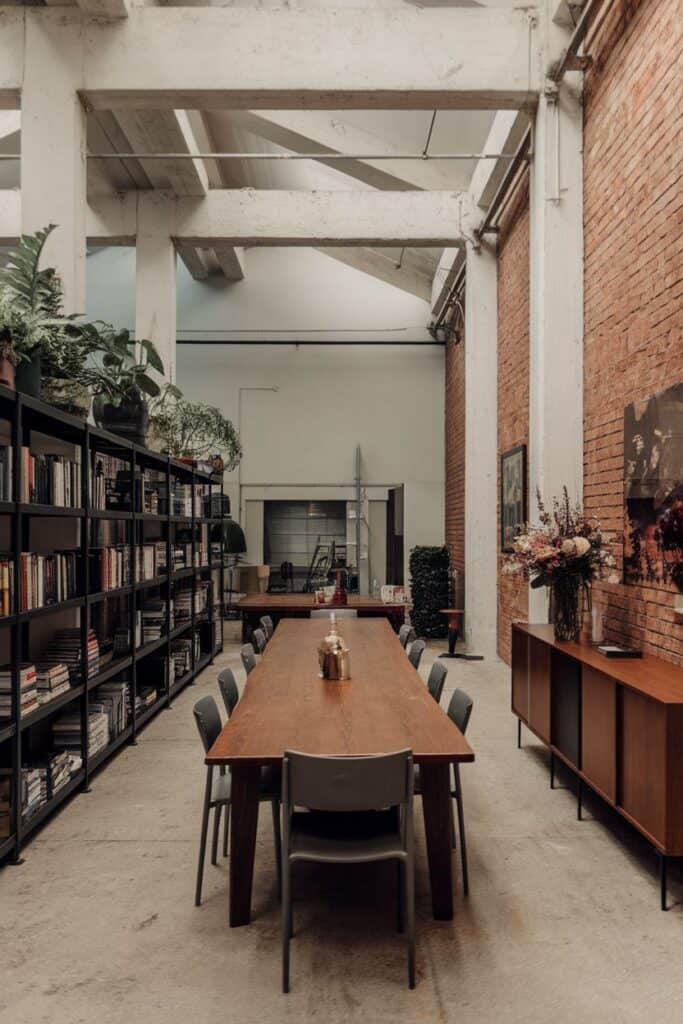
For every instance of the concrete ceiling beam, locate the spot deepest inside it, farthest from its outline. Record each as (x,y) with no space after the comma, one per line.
(232,262)
(382,267)
(241,58)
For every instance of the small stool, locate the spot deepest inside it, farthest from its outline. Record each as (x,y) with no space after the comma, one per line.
(454,628)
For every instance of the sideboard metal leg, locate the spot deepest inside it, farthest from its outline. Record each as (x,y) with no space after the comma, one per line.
(663,865)
(519,734)
(579,797)
(552,770)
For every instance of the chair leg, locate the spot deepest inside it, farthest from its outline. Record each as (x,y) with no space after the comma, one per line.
(275,806)
(286,923)
(401,884)
(409,871)
(216,832)
(461,829)
(226,830)
(205,830)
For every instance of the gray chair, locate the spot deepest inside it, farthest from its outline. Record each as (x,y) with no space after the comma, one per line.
(415,653)
(340,613)
(217,793)
(342,825)
(228,687)
(459,711)
(436,680)
(259,640)
(248,656)
(267,626)
(406,635)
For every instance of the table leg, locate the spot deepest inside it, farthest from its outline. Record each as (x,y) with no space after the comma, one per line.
(452,638)
(434,783)
(245,803)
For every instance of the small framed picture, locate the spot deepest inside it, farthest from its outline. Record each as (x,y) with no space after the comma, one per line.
(513,495)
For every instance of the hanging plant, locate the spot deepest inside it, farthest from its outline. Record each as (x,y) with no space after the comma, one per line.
(193,430)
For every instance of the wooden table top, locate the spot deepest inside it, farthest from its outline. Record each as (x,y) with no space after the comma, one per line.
(384,707)
(252,602)
(653,677)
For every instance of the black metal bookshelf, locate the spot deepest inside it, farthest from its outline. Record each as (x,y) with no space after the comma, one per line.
(24,414)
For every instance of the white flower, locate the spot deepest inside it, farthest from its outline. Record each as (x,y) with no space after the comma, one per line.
(582,546)
(568,547)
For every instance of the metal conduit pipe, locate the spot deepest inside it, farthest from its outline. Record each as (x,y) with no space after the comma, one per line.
(287,156)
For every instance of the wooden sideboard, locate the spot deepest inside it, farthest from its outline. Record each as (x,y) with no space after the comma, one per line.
(617,723)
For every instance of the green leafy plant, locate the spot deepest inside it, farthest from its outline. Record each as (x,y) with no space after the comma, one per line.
(31,304)
(195,430)
(120,368)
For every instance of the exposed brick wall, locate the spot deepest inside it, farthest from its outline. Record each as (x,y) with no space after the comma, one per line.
(633,271)
(455,453)
(513,379)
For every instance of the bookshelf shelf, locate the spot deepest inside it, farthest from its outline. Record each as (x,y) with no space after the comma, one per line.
(39,433)
(52,705)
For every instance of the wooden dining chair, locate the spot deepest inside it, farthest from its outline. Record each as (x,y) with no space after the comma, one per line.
(406,635)
(228,687)
(436,680)
(349,829)
(267,625)
(217,793)
(415,653)
(259,640)
(248,656)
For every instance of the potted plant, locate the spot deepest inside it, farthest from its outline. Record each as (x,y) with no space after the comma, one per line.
(8,359)
(564,553)
(120,378)
(31,315)
(194,431)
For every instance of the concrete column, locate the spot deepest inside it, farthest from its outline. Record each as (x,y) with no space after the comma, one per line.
(481,449)
(556,304)
(155,279)
(53,165)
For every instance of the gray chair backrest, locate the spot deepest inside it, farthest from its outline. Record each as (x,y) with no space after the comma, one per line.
(248,656)
(405,634)
(208,720)
(228,688)
(347,783)
(436,680)
(268,627)
(340,613)
(415,653)
(460,709)
(260,641)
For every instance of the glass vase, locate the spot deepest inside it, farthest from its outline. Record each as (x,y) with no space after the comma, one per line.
(565,613)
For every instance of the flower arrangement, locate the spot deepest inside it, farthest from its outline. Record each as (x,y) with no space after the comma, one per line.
(564,552)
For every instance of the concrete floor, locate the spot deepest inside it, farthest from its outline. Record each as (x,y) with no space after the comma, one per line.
(562,923)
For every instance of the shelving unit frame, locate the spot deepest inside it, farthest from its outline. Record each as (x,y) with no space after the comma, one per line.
(16,408)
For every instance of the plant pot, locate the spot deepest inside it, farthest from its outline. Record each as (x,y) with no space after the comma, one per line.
(8,372)
(130,419)
(28,376)
(67,395)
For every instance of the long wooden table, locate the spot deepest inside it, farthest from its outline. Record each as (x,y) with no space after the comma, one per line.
(300,606)
(384,707)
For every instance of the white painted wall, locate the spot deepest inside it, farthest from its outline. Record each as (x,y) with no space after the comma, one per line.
(300,441)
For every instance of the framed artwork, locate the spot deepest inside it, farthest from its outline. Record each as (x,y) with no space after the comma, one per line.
(513,494)
(653,489)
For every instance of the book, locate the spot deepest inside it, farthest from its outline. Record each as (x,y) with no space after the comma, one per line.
(48,579)
(28,691)
(616,651)
(6,585)
(65,648)
(51,479)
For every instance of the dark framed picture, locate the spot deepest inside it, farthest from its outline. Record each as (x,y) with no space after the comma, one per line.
(513,495)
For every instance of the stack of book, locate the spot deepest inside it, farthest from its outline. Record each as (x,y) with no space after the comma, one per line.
(28,692)
(66,730)
(144,698)
(109,567)
(110,483)
(153,493)
(48,579)
(150,560)
(182,503)
(201,596)
(112,699)
(5,802)
(182,556)
(201,551)
(54,773)
(65,647)
(181,656)
(153,620)
(51,479)
(6,585)
(6,469)
(51,681)
(182,604)
(33,793)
